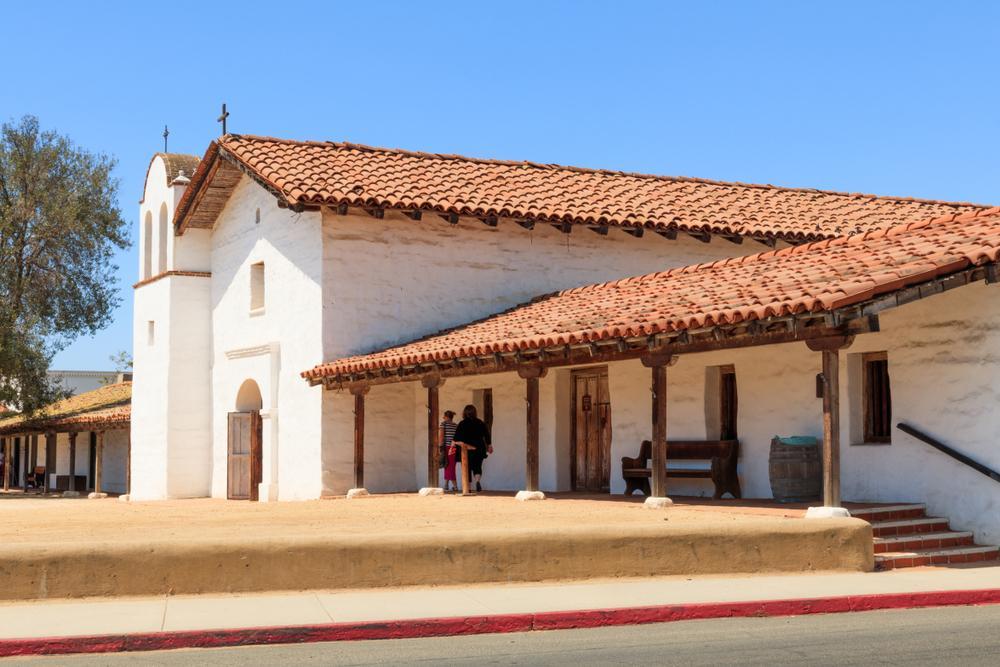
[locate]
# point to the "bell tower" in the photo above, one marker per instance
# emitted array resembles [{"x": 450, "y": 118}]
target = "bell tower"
[{"x": 171, "y": 337}]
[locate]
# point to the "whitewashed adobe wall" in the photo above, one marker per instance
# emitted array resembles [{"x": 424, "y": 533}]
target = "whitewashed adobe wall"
[
  {"x": 944, "y": 365},
  {"x": 271, "y": 347},
  {"x": 171, "y": 390},
  {"x": 392, "y": 280},
  {"x": 115, "y": 460}
]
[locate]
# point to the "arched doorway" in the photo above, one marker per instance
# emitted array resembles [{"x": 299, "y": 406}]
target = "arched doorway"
[{"x": 245, "y": 453}]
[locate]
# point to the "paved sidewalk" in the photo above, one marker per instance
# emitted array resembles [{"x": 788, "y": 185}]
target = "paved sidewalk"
[{"x": 133, "y": 616}]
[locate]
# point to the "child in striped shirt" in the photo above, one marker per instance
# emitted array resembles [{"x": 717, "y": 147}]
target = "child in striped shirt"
[{"x": 446, "y": 437}]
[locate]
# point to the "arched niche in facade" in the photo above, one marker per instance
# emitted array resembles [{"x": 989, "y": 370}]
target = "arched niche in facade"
[
  {"x": 248, "y": 397},
  {"x": 147, "y": 246},
  {"x": 163, "y": 239}
]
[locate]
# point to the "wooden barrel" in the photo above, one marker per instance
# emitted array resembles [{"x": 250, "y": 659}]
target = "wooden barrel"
[{"x": 796, "y": 469}]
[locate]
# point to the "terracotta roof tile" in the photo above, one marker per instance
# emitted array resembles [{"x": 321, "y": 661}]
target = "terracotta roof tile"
[
  {"x": 332, "y": 174},
  {"x": 110, "y": 405},
  {"x": 817, "y": 277}
]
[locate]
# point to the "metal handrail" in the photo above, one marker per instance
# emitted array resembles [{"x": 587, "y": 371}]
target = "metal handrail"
[{"x": 958, "y": 456}]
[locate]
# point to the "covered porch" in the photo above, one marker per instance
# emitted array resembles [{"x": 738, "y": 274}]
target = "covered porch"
[
  {"x": 566, "y": 427},
  {"x": 789, "y": 327},
  {"x": 78, "y": 446}
]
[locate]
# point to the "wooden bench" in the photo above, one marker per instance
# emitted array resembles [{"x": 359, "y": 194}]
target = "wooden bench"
[{"x": 723, "y": 455}]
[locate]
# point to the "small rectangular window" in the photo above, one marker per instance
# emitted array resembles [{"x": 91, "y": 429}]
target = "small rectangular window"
[
  {"x": 257, "y": 288},
  {"x": 150, "y": 332},
  {"x": 877, "y": 397}
]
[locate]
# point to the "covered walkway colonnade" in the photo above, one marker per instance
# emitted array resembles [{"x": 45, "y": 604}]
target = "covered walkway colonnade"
[
  {"x": 820, "y": 295},
  {"x": 74, "y": 446}
]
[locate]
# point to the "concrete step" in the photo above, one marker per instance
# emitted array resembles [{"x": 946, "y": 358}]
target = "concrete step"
[
  {"x": 909, "y": 526},
  {"x": 890, "y": 512},
  {"x": 965, "y": 554},
  {"x": 922, "y": 541}
]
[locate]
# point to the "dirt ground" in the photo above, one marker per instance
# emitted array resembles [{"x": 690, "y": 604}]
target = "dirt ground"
[{"x": 50, "y": 520}]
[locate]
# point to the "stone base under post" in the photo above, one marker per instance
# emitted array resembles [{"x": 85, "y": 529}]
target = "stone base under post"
[
  {"x": 431, "y": 491},
  {"x": 529, "y": 495},
  {"x": 657, "y": 502},
  {"x": 827, "y": 513},
  {"x": 357, "y": 493},
  {"x": 93, "y": 495},
  {"x": 124, "y": 498}
]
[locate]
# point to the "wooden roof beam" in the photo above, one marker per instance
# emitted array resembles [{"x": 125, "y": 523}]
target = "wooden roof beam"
[{"x": 708, "y": 340}]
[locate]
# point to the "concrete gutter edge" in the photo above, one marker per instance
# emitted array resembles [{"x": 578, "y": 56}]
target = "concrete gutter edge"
[{"x": 493, "y": 624}]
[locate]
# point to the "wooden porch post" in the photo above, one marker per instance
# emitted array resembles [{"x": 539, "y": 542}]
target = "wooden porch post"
[
  {"x": 25, "y": 460},
  {"x": 830, "y": 349},
  {"x": 6, "y": 464},
  {"x": 359, "y": 442},
  {"x": 432, "y": 384},
  {"x": 658, "y": 364},
  {"x": 50, "y": 460},
  {"x": 33, "y": 456},
  {"x": 71, "y": 486},
  {"x": 98, "y": 467},
  {"x": 531, "y": 375}
]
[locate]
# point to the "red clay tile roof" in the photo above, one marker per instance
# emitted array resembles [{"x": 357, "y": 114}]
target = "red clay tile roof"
[
  {"x": 108, "y": 406},
  {"x": 814, "y": 278},
  {"x": 332, "y": 174}
]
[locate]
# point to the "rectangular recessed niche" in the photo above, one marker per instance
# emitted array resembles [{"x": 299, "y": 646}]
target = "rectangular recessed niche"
[
  {"x": 150, "y": 332},
  {"x": 870, "y": 398},
  {"x": 257, "y": 288}
]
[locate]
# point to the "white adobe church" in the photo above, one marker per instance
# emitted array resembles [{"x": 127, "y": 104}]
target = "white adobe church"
[{"x": 287, "y": 286}]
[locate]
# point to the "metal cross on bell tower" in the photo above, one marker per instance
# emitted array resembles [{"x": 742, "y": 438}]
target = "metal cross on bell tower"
[
  {"x": 223, "y": 117},
  {"x": 166, "y": 133}
]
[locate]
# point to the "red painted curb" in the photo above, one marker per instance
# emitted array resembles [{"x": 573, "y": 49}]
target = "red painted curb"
[{"x": 476, "y": 625}]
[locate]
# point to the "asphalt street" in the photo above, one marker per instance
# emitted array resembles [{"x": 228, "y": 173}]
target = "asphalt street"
[{"x": 954, "y": 635}]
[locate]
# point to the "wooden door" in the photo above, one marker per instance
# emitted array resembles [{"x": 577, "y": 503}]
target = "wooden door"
[
  {"x": 245, "y": 460},
  {"x": 591, "y": 441}
]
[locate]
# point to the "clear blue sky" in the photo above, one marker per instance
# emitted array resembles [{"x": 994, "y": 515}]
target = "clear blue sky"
[{"x": 894, "y": 98}]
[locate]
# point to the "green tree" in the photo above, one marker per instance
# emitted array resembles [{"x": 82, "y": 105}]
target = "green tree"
[
  {"x": 122, "y": 361},
  {"x": 59, "y": 227}
]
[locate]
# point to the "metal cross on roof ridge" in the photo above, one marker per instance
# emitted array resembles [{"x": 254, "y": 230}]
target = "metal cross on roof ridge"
[
  {"x": 166, "y": 133},
  {"x": 222, "y": 118}
]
